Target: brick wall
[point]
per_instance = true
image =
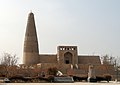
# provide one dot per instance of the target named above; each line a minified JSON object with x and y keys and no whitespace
{"x":48,"y":58}
{"x":89,"y":60}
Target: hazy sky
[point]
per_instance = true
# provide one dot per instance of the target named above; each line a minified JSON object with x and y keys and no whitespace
{"x":92,"y":25}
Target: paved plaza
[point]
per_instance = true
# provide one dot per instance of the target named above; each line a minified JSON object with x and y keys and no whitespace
{"x":77,"y":83}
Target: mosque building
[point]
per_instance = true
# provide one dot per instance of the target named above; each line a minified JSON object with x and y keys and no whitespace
{"x":65,"y":59}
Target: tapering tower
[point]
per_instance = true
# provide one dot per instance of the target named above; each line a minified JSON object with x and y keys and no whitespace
{"x":31,"y":50}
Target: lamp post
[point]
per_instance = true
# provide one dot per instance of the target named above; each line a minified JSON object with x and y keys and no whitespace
{"x":116,"y":74}
{"x":116,"y":71}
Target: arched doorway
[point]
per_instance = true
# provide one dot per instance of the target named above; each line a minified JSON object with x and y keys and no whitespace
{"x":68,"y":58}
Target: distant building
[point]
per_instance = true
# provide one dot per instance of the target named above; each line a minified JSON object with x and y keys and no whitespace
{"x":66,"y":59}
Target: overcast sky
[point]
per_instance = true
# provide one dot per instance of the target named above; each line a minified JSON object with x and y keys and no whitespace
{"x":92,"y":25}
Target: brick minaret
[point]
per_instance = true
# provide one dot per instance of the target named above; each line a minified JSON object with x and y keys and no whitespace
{"x":31,"y":50}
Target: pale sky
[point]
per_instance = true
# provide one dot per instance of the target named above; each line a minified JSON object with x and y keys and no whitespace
{"x":92,"y":25}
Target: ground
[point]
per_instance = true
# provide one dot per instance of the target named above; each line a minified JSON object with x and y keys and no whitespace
{"x":78,"y":83}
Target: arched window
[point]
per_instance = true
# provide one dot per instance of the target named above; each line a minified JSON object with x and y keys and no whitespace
{"x":68,"y":58}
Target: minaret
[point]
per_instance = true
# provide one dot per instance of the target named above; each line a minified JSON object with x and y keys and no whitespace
{"x":31,"y":50}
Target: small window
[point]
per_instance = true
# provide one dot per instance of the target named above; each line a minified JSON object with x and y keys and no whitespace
{"x":67,"y":48}
{"x":72,"y":49}
{"x":60,"y":48}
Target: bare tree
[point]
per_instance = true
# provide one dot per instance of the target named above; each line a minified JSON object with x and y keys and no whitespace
{"x":109,"y":60}
{"x":9,"y":60}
